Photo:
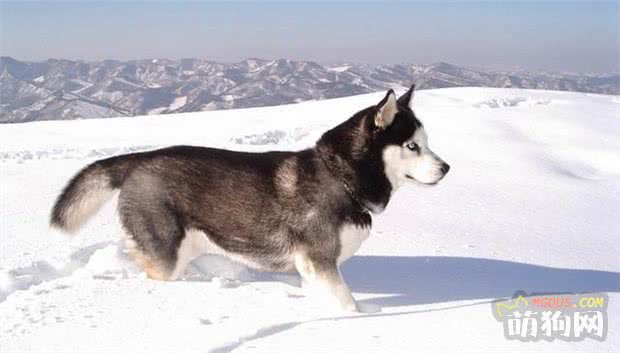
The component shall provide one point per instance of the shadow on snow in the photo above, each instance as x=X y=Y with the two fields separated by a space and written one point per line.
x=403 y=280
x=425 y=280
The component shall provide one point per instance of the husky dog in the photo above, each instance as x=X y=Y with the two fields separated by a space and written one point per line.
x=277 y=211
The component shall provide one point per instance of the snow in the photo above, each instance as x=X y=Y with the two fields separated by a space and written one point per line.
x=530 y=204
x=339 y=68
x=122 y=80
x=178 y=103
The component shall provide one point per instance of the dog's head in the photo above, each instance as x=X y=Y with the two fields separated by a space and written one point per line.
x=381 y=148
x=405 y=149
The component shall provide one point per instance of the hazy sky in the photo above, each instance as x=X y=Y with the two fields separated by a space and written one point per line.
x=559 y=35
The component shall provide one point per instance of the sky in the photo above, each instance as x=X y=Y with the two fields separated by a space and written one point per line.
x=577 y=36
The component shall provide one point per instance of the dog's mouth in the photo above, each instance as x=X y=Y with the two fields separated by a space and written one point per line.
x=421 y=183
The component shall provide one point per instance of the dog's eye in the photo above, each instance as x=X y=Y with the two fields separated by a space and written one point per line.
x=412 y=146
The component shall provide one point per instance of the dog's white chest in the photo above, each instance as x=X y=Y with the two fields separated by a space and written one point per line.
x=351 y=238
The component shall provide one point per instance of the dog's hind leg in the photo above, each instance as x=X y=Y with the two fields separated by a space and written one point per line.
x=153 y=238
x=324 y=273
x=151 y=265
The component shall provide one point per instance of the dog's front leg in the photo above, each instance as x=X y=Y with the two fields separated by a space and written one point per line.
x=324 y=274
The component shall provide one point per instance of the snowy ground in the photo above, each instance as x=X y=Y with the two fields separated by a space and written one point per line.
x=531 y=203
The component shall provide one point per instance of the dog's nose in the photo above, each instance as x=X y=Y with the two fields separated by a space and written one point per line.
x=445 y=168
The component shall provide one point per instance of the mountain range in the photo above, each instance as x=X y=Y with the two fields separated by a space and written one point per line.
x=65 y=89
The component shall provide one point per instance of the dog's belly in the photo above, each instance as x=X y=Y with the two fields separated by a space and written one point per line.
x=351 y=238
x=197 y=243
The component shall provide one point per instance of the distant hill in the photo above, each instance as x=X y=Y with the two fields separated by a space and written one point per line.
x=64 y=89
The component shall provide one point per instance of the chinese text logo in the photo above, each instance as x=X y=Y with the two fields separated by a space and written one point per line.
x=569 y=317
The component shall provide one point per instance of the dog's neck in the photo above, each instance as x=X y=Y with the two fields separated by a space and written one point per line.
x=360 y=204
x=365 y=197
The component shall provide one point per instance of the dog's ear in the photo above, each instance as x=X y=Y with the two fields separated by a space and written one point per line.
x=405 y=99
x=386 y=110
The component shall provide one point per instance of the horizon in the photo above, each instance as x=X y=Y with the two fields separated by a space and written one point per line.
x=559 y=36
x=324 y=64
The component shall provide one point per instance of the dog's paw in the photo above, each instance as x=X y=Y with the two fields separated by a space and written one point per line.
x=368 y=308
x=350 y=307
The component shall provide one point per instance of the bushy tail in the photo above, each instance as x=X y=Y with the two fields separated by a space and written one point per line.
x=88 y=191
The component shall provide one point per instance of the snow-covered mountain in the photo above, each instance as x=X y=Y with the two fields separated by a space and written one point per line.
x=63 y=89
x=530 y=204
